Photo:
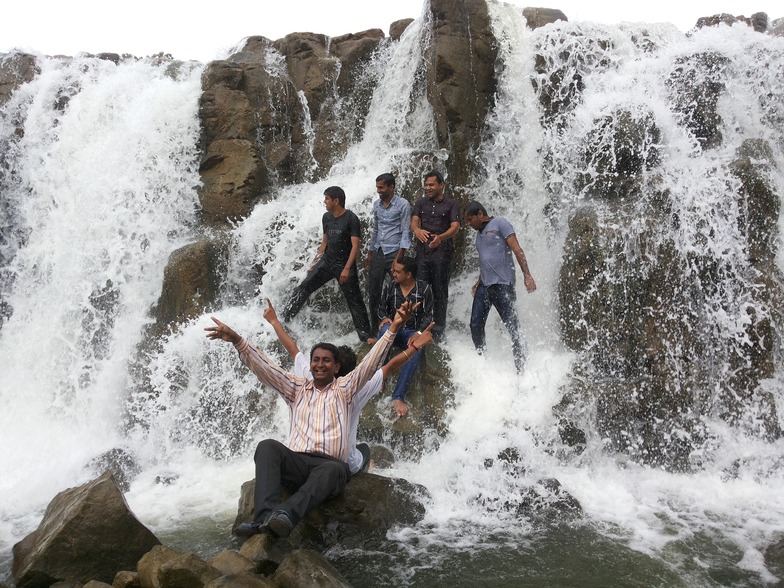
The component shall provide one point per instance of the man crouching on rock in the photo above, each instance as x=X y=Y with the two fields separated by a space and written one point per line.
x=314 y=465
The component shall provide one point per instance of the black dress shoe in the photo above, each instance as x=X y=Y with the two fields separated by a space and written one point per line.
x=247 y=529
x=279 y=524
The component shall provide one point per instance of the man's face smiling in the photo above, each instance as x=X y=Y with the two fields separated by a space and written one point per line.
x=384 y=191
x=433 y=188
x=323 y=366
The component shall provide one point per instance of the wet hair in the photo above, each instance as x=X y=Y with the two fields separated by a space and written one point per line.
x=409 y=265
x=435 y=174
x=475 y=208
x=388 y=179
x=347 y=359
x=327 y=347
x=336 y=193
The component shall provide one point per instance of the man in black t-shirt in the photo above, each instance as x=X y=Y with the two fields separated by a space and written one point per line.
x=336 y=259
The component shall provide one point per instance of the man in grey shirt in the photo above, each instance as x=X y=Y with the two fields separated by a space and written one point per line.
x=498 y=247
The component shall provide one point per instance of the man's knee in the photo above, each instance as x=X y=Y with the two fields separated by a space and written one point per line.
x=267 y=448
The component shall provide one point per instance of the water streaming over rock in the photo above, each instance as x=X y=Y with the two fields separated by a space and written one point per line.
x=654 y=330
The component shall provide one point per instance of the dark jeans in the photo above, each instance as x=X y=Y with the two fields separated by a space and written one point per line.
x=504 y=298
x=380 y=265
x=410 y=367
x=310 y=478
x=316 y=278
x=437 y=273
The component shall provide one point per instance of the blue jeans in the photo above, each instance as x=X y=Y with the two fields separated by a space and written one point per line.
x=410 y=367
x=504 y=298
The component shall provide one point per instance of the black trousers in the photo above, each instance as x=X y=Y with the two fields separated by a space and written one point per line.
x=311 y=479
x=437 y=273
x=380 y=266
x=316 y=278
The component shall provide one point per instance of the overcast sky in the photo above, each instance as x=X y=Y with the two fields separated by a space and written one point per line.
x=206 y=30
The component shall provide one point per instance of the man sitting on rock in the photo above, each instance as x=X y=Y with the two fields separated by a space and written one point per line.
x=314 y=465
x=405 y=287
x=359 y=453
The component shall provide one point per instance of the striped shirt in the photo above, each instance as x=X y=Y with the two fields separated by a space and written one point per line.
x=320 y=419
x=368 y=391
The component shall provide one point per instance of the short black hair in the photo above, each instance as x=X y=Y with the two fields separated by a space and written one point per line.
x=347 y=359
x=327 y=347
x=475 y=208
x=409 y=265
x=387 y=178
x=435 y=174
x=336 y=193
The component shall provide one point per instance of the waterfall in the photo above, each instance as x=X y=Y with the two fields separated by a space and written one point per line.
x=101 y=187
x=97 y=192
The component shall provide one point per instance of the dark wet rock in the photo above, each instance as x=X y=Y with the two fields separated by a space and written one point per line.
x=191 y=281
x=695 y=86
x=757 y=199
x=121 y=463
x=623 y=146
x=461 y=82
x=266 y=552
x=253 y=132
x=369 y=507
x=547 y=497
x=86 y=533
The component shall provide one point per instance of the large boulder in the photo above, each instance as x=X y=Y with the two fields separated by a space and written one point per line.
x=191 y=281
x=539 y=17
x=397 y=28
x=332 y=75
x=642 y=317
x=87 y=533
x=254 y=132
x=370 y=506
x=461 y=82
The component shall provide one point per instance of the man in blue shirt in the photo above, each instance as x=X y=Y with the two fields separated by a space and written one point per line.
x=498 y=247
x=390 y=239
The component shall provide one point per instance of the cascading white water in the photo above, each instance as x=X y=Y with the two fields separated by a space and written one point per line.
x=98 y=191
x=94 y=239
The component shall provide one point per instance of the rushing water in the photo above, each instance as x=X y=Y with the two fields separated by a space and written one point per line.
x=103 y=189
